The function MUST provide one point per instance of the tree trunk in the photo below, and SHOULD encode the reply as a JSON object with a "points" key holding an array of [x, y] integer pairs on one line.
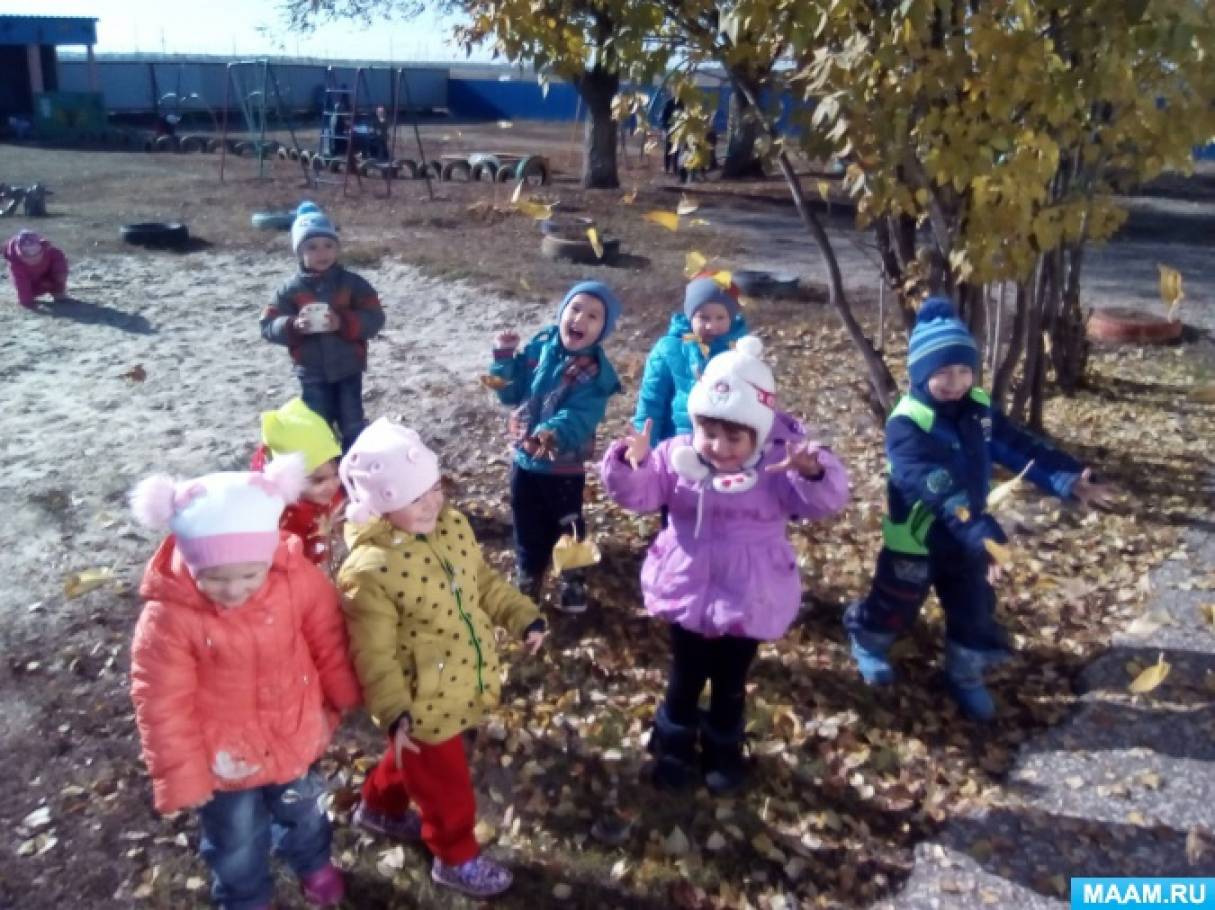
{"points": [[1016, 344], [881, 382], [597, 88], [1069, 341], [742, 132]]}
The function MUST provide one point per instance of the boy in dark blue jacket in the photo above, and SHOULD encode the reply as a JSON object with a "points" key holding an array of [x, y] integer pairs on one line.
{"points": [[941, 440], [560, 382]]}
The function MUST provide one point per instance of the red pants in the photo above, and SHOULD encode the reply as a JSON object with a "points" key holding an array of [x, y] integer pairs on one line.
{"points": [[436, 779]]}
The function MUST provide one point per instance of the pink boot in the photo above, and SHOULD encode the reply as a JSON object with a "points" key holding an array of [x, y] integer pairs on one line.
{"points": [[325, 887]]}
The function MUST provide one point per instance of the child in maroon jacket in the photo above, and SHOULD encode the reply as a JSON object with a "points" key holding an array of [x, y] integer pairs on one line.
{"points": [[37, 267]]}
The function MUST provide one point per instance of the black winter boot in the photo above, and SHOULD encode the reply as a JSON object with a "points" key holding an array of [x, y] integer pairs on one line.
{"points": [[674, 748], [722, 758]]}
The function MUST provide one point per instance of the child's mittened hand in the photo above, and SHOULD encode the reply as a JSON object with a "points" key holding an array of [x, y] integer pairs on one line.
{"points": [[541, 445], [1093, 494], [801, 457], [637, 444], [534, 641], [506, 341], [401, 740]]}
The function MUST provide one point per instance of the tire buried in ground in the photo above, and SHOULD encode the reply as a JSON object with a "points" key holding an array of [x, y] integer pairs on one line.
{"points": [[165, 235], [1124, 325], [561, 249]]}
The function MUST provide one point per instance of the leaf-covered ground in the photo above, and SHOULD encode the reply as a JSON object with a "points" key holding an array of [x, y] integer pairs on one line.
{"points": [[846, 781]]}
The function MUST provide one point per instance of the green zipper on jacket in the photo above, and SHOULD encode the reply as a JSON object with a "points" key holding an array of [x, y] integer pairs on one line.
{"points": [[450, 572]]}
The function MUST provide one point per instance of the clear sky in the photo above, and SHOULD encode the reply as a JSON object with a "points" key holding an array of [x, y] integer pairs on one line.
{"points": [[242, 28]]}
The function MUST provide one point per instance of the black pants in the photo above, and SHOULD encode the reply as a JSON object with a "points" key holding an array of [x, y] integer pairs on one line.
{"points": [[723, 662], [901, 584], [544, 506]]}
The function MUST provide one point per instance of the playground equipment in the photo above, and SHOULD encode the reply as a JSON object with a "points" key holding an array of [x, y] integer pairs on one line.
{"points": [[254, 105]]}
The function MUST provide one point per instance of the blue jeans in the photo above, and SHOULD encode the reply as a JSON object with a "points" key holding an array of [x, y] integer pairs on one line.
{"points": [[340, 403], [240, 827]]}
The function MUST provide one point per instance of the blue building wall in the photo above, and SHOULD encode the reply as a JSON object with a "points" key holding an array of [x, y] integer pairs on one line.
{"points": [[494, 99]]}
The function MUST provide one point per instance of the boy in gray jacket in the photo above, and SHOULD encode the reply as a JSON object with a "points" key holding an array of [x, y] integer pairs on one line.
{"points": [[325, 315]]}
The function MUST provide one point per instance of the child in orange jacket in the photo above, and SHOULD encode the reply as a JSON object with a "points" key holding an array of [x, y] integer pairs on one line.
{"points": [[239, 674]]}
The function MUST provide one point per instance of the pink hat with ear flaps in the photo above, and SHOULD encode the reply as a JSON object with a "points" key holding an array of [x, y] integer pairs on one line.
{"points": [[386, 469], [225, 518]]}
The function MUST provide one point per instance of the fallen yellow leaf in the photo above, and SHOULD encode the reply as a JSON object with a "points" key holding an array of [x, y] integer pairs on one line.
{"points": [[998, 552], [1207, 612], [1171, 291], [596, 244], [571, 553], [493, 382], [1152, 677], [668, 220], [630, 197], [694, 263], [1203, 394], [686, 206], [1006, 489], [82, 582], [535, 209]]}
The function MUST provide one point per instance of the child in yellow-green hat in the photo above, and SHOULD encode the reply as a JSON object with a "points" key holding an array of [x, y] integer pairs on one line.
{"points": [[314, 517]]}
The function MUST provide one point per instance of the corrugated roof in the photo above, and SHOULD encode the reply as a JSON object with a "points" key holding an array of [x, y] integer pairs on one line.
{"points": [[48, 30]]}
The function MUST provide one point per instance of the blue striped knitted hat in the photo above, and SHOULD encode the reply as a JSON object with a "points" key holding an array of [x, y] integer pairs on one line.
{"points": [[939, 340]]}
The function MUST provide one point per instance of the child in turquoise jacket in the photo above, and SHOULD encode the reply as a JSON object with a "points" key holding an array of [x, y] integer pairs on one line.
{"points": [[709, 324], [560, 384]]}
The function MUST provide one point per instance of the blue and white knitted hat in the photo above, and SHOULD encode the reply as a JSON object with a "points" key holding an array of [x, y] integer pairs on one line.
{"points": [[939, 340], [599, 290]]}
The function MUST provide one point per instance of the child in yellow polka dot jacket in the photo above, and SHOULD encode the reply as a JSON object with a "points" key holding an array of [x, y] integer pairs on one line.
{"points": [[421, 605]]}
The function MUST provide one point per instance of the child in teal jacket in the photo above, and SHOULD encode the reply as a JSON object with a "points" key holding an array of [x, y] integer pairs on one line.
{"points": [[560, 384], [709, 324]]}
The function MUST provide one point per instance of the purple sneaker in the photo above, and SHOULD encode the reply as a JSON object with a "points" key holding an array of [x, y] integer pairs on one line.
{"points": [[325, 887], [479, 877], [407, 827]]}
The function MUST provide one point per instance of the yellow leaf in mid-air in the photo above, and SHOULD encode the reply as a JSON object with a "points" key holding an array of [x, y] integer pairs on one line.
{"points": [[514, 197], [571, 553], [493, 382], [998, 552], [82, 582], [686, 206], [693, 264], [596, 244], [961, 513], [523, 284], [1171, 291], [1152, 677], [697, 222], [724, 278], [824, 190], [535, 209], [668, 220], [745, 301], [1007, 489], [630, 197]]}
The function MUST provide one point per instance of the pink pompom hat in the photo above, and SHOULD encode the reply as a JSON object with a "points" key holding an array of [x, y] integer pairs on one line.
{"points": [[224, 518]]}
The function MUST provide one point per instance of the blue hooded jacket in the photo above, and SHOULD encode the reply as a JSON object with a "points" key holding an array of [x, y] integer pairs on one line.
{"points": [[674, 365], [564, 392], [941, 456]]}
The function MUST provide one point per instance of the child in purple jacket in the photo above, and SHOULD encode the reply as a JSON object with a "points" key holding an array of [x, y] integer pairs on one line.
{"points": [[37, 267], [722, 572]]}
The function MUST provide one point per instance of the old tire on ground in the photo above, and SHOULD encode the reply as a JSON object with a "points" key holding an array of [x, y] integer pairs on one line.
{"points": [[562, 249], [337, 165], [406, 168], [568, 227], [485, 169], [167, 144], [505, 175], [273, 221], [434, 168], [193, 143], [456, 170], [532, 170], [156, 234], [1123, 325], [214, 145], [242, 148]]}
